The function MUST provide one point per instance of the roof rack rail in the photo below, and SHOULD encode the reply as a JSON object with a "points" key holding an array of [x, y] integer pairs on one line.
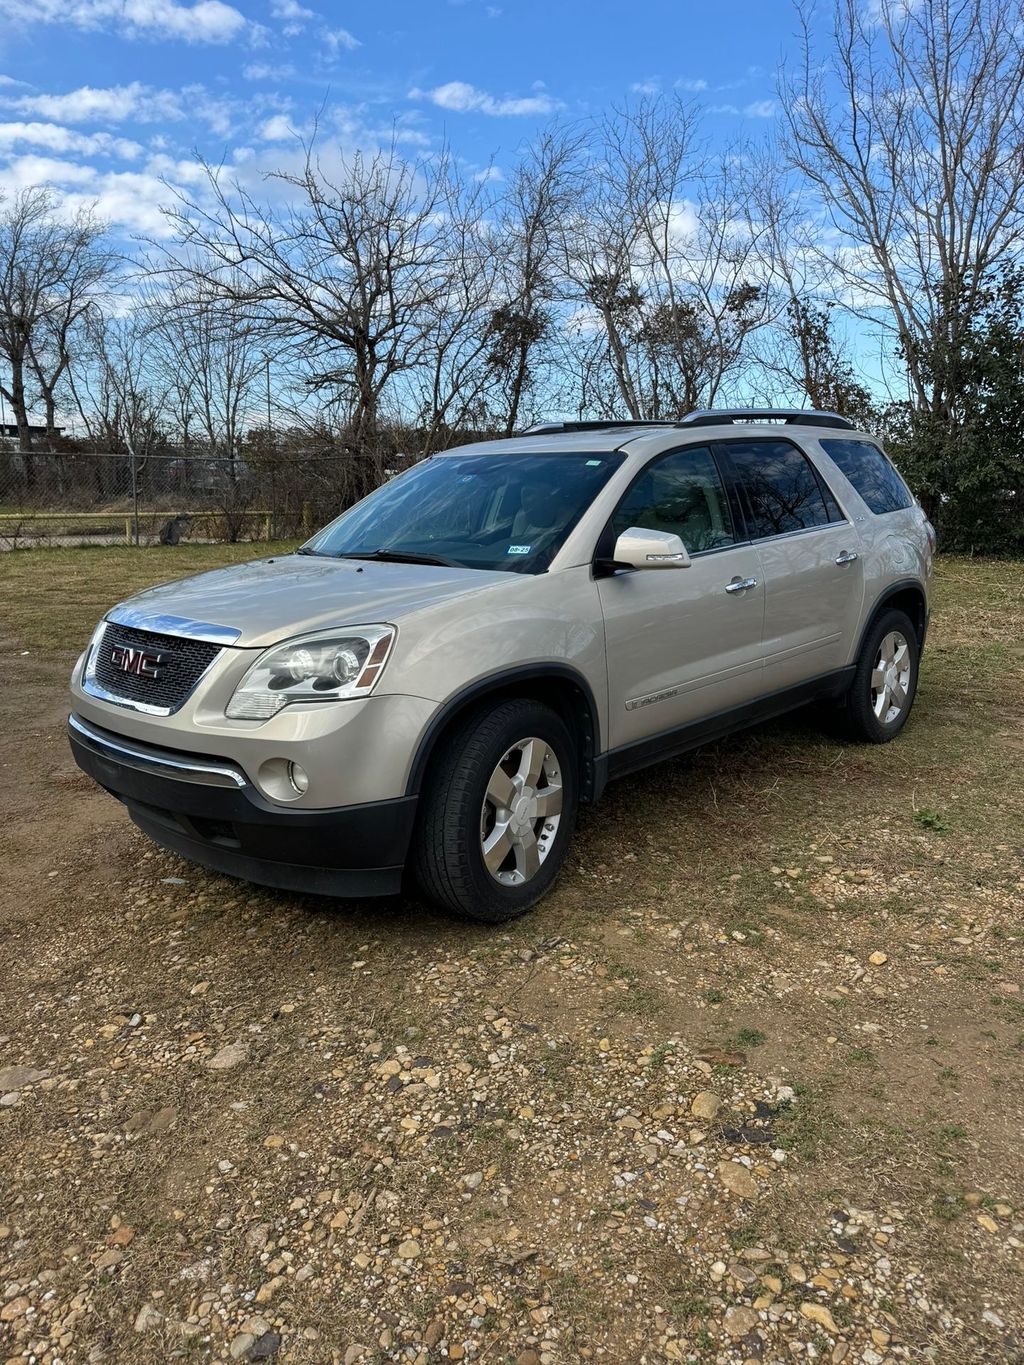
{"points": [[548, 428], [796, 417], [702, 417]]}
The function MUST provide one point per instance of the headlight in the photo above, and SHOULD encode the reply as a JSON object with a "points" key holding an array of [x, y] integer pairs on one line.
{"points": [[88, 659], [345, 663]]}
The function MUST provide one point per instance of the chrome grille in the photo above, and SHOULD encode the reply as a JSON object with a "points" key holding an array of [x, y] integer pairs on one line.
{"points": [[183, 662]]}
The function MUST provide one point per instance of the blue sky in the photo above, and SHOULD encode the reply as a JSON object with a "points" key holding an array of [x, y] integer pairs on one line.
{"points": [[105, 99]]}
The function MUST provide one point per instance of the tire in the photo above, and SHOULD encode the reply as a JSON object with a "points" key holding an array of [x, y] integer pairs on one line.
{"points": [[460, 814], [877, 710]]}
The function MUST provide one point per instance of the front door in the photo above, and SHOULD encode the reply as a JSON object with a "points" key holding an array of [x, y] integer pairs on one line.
{"points": [[682, 644]]}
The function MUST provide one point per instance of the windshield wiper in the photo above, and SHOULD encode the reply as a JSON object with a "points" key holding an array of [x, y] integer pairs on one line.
{"points": [[303, 551], [403, 557]]}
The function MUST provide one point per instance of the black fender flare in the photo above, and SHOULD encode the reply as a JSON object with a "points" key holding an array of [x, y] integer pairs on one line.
{"points": [[894, 590], [505, 680]]}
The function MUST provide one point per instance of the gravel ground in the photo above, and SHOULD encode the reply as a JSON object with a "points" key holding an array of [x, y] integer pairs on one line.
{"points": [[747, 1087]]}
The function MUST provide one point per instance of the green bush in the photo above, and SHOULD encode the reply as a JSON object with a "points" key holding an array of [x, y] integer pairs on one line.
{"points": [[966, 460]]}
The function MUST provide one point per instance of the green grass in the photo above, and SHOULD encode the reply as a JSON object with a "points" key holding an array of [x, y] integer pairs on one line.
{"points": [[53, 598], [861, 1056], [930, 819]]}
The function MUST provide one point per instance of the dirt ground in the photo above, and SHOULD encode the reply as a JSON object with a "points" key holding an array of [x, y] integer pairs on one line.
{"points": [[746, 1087]]}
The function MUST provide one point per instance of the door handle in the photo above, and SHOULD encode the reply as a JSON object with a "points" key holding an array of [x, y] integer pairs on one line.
{"points": [[845, 557], [741, 584]]}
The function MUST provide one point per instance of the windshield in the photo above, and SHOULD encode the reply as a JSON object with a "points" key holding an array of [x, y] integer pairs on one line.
{"points": [[508, 512]]}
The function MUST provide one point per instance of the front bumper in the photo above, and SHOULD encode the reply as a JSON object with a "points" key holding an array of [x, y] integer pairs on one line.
{"points": [[207, 809]]}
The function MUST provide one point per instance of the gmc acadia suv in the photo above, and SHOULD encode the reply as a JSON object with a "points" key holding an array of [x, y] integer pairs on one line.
{"points": [[429, 687]]}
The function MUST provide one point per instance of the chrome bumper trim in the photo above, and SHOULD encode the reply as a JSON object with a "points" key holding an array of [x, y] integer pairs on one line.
{"points": [[154, 761]]}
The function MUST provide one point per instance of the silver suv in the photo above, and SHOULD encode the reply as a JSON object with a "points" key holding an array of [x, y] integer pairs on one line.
{"points": [[427, 689]]}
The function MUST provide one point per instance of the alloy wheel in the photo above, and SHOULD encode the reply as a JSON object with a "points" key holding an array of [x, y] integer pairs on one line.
{"points": [[521, 811], [890, 678]]}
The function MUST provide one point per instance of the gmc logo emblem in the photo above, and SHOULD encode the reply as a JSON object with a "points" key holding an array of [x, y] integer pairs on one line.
{"points": [[143, 663]]}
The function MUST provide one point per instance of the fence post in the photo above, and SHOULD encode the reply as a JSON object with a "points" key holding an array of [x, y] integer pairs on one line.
{"points": [[135, 491], [307, 518], [127, 530], [266, 526]]}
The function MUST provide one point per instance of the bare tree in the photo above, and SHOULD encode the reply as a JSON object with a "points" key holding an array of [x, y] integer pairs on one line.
{"points": [[665, 252], [52, 271], [120, 397], [454, 378], [346, 270], [212, 361], [604, 238], [542, 191], [912, 133], [800, 350]]}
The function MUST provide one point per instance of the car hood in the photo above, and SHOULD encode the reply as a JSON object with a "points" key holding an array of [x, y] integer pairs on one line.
{"points": [[268, 600]]}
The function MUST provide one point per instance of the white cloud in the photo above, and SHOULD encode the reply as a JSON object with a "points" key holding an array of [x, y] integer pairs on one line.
{"points": [[683, 220], [177, 171], [693, 84], [290, 10], [722, 109], [648, 87], [461, 98], [65, 140], [141, 103], [205, 21], [340, 40], [217, 113], [113, 104], [293, 16], [489, 173], [264, 71], [279, 128], [131, 199], [29, 171], [760, 109]]}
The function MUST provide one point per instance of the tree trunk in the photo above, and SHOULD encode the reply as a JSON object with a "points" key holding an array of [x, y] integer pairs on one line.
{"points": [[620, 366], [518, 384], [19, 410]]}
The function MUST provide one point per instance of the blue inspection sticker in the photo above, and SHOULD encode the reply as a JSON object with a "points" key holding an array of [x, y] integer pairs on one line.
{"points": [[519, 549]]}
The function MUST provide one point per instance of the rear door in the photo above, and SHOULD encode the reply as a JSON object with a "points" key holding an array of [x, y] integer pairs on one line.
{"points": [[682, 644], [809, 558]]}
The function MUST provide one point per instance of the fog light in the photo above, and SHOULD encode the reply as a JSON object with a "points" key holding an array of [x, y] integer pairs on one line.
{"points": [[282, 780]]}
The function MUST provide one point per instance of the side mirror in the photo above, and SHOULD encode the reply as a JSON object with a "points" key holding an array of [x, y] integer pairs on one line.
{"points": [[640, 549]]}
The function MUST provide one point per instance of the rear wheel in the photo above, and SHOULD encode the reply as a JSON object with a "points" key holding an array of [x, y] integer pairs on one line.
{"points": [[498, 812], [885, 683]]}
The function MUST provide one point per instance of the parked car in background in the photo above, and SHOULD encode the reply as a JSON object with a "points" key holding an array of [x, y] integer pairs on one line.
{"points": [[427, 690]]}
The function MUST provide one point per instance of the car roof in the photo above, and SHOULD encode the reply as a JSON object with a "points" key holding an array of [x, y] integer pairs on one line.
{"points": [[553, 442], [647, 438]]}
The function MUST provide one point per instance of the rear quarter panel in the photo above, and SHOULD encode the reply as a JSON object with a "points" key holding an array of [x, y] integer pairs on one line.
{"points": [[894, 544]]}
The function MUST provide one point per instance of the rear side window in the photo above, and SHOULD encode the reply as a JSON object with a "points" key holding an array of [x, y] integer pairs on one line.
{"points": [[782, 490], [871, 474]]}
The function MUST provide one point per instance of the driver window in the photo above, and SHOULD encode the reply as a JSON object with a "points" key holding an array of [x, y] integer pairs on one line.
{"points": [[681, 493]]}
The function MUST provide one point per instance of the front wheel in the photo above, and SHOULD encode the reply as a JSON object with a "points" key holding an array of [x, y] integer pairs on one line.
{"points": [[498, 812], [885, 682]]}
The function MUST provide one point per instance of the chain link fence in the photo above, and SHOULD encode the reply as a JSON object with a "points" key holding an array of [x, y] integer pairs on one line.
{"points": [[75, 497]]}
